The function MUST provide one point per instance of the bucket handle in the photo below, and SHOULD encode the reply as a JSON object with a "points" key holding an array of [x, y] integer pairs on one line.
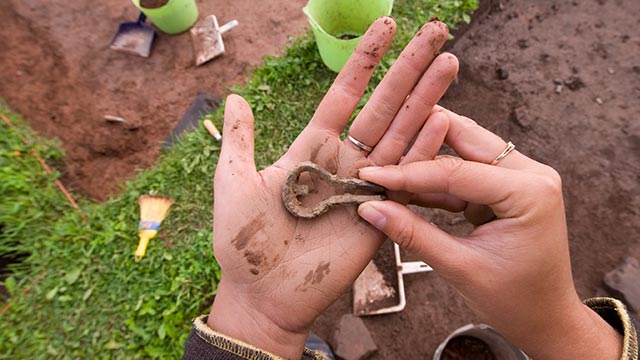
{"points": [[228, 26], [141, 18]]}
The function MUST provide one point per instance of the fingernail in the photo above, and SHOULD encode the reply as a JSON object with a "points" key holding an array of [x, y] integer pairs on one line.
{"points": [[372, 215], [369, 169]]}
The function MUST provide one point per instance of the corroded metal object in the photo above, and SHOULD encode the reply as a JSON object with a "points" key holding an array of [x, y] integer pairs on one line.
{"points": [[351, 189]]}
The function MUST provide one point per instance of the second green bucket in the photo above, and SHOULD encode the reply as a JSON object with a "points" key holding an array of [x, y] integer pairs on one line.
{"points": [[338, 26], [174, 17]]}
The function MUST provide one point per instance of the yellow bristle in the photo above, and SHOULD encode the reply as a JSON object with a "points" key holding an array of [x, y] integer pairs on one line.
{"points": [[154, 207]]}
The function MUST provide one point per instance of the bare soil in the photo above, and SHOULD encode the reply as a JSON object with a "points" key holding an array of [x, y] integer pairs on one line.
{"points": [[561, 79], [58, 71], [467, 348], [153, 4]]}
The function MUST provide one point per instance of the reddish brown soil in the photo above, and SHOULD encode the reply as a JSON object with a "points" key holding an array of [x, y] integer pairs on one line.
{"points": [[558, 78], [58, 70], [153, 4], [467, 348]]}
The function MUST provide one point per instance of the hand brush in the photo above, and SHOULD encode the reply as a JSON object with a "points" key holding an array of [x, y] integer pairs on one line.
{"points": [[153, 209]]}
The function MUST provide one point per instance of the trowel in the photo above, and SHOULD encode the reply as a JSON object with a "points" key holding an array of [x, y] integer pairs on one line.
{"points": [[380, 287], [206, 36], [134, 37]]}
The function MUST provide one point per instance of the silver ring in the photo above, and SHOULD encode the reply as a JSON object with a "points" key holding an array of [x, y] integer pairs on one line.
{"points": [[507, 150], [357, 143]]}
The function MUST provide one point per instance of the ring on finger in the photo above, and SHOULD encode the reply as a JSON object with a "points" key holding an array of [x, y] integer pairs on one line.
{"points": [[507, 150], [359, 144]]}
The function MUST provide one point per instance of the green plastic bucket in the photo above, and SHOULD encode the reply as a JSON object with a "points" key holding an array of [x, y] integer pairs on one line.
{"points": [[174, 17], [338, 26]]}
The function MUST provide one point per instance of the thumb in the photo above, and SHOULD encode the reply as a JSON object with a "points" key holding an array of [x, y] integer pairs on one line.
{"points": [[411, 232], [236, 163]]}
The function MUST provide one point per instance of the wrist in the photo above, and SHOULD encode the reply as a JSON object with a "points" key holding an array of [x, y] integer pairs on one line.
{"points": [[232, 315], [578, 333]]}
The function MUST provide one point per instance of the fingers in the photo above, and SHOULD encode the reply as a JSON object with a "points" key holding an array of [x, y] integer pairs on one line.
{"points": [[236, 162], [341, 100], [410, 231], [466, 180], [473, 142], [425, 147], [372, 122], [441, 201], [429, 140], [414, 112]]}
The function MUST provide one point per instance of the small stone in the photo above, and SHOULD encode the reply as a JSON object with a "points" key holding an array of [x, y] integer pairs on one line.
{"points": [[599, 101], [558, 81], [521, 116], [624, 284], [545, 57], [497, 8], [522, 43], [611, 71], [502, 73], [558, 89], [352, 340], [574, 83]]}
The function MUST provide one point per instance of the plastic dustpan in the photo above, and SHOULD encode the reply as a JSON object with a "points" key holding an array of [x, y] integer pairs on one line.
{"points": [[206, 36], [134, 37]]}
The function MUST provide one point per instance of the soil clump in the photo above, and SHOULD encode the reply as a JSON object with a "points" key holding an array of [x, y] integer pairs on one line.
{"points": [[467, 348], [153, 4]]}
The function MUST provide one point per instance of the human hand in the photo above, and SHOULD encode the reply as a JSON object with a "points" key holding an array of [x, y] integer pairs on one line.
{"points": [[280, 272], [514, 271]]}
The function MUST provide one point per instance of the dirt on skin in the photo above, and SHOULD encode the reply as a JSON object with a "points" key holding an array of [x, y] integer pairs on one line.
{"points": [[58, 71], [561, 79], [554, 77]]}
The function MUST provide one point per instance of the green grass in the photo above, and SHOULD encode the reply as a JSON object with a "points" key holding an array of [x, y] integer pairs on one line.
{"points": [[78, 293], [28, 193]]}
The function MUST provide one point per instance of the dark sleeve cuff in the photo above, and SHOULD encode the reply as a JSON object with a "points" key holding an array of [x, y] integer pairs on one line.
{"points": [[205, 343], [615, 313]]}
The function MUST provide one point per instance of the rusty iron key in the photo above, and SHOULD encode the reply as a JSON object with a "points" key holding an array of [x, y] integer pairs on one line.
{"points": [[292, 190]]}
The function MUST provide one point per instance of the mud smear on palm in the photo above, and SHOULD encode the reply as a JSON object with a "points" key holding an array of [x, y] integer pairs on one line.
{"points": [[241, 240], [315, 276]]}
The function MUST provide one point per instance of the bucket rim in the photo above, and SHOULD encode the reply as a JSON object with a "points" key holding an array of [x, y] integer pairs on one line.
{"points": [[316, 25]]}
